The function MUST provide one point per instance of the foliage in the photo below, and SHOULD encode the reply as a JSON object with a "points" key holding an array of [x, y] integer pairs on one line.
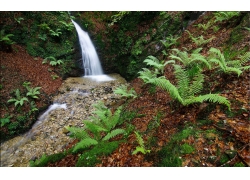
{"points": [[18, 101], [204, 26], [103, 122], [19, 19], [32, 92], [117, 17], [141, 148], [169, 41], [190, 60], [5, 120], [170, 154], [53, 61], [122, 90], [222, 16], [5, 38], [45, 159], [228, 66], [186, 149], [199, 40], [158, 66], [189, 83]]}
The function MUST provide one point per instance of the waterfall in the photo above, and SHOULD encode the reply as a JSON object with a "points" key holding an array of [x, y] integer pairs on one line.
{"points": [[91, 63]]}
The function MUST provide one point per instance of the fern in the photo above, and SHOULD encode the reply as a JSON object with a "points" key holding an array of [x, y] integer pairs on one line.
{"points": [[190, 60], [77, 132], [221, 16], [169, 41], [146, 75], [159, 66], [227, 66], [113, 134], [99, 129], [213, 98], [122, 90], [199, 40], [204, 26], [85, 143], [140, 148]]}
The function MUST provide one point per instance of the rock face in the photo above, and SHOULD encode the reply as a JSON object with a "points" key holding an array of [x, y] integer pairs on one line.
{"points": [[48, 135]]}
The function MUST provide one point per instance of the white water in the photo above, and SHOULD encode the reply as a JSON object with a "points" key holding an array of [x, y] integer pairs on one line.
{"points": [[91, 63]]}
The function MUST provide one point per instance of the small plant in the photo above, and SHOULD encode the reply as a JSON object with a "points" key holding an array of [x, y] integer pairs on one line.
{"points": [[189, 60], [68, 26], [42, 37], [122, 90], [199, 40], [169, 41], [53, 61], [189, 85], [204, 26], [32, 92], [18, 100], [5, 38], [5, 120], [222, 16], [100, 128], [228, 66], [55, 33], [158, 65], [19, 19], [186, 149], [54, 76], [140, 148], [216, 28]]}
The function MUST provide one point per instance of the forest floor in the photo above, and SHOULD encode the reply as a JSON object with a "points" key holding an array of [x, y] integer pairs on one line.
{"points": [[200, 135]]}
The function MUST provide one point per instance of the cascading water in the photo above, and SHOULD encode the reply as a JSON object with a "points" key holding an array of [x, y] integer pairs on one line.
{"points": [[91, 63], [90, 58]]}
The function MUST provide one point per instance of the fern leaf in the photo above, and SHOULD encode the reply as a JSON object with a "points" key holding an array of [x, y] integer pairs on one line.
{"points": [[139, 139], [244, 58], [235, 70], [146, 75], [85, 143], [94, 128], [113, 134], [77, 132], [182, 81], [196, 85], [214, 98], [168, 86]]}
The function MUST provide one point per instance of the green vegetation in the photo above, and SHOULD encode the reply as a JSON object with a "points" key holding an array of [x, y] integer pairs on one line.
{"points": [[18, 101], [199, 40], [122, 90], [5, 38], [103, 122], [223, 16], [228, 66], [141, 148]]}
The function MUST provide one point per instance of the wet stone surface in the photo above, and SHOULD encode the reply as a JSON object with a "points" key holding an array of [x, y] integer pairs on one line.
{"points": [[72, 105]]}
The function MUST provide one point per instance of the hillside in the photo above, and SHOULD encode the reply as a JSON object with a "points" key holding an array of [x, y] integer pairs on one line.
{"points": [[164, 131]]}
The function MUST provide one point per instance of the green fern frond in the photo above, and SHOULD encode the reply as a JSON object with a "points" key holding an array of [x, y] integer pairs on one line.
{"points": [[85, 143], [93, 127], [146, 75], [214, 98], [168, 86], [182, 80], [244, 58], [113, 134], [114, 119], [221, 16], [122, 90], [77, 132], [196, 85], [139, 139]]}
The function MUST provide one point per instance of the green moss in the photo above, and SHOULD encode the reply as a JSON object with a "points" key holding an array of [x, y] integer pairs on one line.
{"points": [[187, 149]]}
